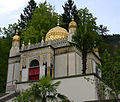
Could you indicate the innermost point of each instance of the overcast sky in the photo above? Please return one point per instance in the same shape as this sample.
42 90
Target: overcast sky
106 11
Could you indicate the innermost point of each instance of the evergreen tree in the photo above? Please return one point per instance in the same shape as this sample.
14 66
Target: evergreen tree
44 18
102 30
110 68
27 15
69 10
10 31
86 37
4 53
5 45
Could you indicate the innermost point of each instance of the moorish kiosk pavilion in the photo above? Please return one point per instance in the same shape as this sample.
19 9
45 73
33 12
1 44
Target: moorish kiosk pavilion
56 58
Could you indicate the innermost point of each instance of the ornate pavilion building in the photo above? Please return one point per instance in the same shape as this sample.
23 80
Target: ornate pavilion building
56 58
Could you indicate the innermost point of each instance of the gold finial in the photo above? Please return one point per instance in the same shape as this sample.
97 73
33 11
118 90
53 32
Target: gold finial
43 38
29 42
58 23
72 18
17 32
42 41
23 44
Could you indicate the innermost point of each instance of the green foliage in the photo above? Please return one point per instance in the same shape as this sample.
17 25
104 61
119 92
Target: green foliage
10 31
43 19
110 68
111 43
5 45
102 30
27 15
86 37
42 91
25 96
69 10
4 52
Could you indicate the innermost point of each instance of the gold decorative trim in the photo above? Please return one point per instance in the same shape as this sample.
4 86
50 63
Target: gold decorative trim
20 77
41 59
48 71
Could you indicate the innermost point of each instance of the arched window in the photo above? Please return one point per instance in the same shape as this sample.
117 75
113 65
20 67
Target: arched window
34 63
34 70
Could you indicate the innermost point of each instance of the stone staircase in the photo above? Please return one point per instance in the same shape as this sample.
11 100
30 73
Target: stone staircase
7 97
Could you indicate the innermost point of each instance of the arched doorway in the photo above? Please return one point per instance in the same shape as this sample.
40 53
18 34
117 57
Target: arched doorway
34 70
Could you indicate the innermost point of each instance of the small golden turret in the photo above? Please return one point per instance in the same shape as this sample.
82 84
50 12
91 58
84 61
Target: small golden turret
16 37
73 23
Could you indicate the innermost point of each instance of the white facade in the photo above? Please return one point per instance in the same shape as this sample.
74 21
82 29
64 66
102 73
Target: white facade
76 88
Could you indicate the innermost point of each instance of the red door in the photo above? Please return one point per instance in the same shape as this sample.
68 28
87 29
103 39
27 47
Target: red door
34 73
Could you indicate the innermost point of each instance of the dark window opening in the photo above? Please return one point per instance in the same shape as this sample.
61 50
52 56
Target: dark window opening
24 67
51 72
45 64
34 63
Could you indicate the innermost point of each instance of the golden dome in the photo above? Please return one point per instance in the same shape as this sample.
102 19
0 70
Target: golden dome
56 33
16 38
72 24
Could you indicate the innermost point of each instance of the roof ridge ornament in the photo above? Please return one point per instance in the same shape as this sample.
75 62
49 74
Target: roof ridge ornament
17 32
58 21
29 43
72 18
23 44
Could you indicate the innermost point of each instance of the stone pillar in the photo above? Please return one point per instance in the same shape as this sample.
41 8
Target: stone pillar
48 65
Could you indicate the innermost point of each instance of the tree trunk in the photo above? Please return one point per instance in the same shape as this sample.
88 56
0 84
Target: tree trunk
44 99
84 61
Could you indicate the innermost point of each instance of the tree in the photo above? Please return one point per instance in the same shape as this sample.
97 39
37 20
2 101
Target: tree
69 10
5 45
4 53
24 18
10 31
102 30
110 68
43 91
43 19
86 37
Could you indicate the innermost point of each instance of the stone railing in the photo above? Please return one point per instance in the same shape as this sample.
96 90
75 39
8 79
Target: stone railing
55 43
